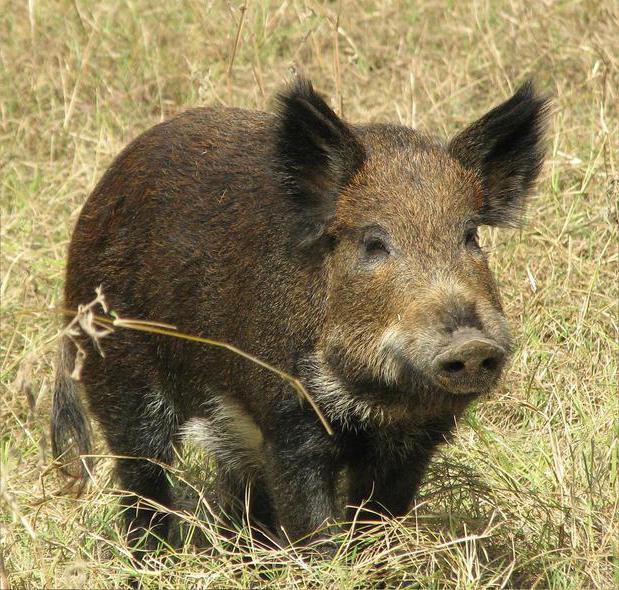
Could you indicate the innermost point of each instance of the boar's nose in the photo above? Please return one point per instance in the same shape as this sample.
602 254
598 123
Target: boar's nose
471 362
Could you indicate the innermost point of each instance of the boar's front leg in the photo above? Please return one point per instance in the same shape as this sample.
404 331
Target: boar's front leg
384 487
384 480
301 474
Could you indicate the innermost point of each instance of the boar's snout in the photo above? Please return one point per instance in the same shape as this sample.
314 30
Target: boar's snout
470 363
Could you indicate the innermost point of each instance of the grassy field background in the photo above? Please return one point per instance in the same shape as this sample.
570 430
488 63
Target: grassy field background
526 495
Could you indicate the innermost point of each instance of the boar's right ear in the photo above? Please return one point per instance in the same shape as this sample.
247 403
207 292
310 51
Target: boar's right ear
506 148
317 155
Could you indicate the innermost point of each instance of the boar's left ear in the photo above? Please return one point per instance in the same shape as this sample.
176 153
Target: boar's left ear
506 148
317 154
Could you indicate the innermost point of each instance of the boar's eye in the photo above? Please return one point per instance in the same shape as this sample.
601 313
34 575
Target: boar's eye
471 239
375 245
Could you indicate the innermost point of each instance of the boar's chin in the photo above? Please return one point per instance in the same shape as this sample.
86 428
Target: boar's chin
410 389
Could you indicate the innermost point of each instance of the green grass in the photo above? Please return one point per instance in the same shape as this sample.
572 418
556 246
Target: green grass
526 496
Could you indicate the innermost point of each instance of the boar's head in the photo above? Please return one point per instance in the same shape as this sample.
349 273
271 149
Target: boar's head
392 216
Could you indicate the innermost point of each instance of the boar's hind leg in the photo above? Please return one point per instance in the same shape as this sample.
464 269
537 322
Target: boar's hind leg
245 501
143 441
145 483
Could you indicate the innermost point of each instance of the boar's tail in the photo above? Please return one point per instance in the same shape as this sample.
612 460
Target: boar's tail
70 429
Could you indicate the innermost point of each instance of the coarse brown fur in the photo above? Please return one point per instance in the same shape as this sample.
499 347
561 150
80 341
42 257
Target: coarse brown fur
346 255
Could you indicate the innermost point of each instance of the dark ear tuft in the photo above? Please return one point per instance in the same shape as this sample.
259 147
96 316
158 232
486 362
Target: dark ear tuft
506 148
317 152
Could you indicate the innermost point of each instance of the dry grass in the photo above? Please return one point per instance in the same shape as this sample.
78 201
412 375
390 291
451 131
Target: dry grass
526 496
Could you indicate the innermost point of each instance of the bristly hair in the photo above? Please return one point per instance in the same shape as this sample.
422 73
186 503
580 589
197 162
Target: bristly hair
506 147
317 152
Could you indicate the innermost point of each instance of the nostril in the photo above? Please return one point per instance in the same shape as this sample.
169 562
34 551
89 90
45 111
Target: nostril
453 366
489 364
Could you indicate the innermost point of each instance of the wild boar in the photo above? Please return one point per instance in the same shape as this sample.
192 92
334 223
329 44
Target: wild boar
346 255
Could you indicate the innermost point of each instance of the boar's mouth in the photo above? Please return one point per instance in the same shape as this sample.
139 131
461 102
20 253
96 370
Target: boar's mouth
407 390
411 386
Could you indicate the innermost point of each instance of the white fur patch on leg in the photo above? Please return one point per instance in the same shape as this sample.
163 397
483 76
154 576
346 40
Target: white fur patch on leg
230 434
